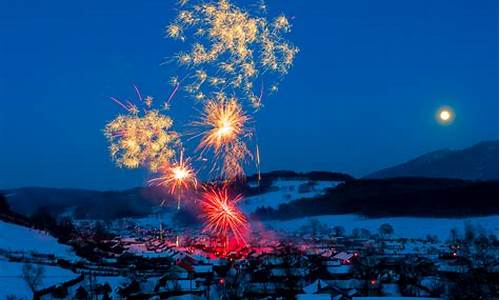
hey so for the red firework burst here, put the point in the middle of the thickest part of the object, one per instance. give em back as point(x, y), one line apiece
point(222, 216)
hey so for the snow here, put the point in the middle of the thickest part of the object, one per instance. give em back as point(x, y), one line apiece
point(394, 298)
point(19, 238)
point(185, 297)
point(285, 191)
point(390, 289)
point(282, 191)
point(313, 297)
point(202, 268)
point(314, 287)
point(153, 221)
point(408, 227)
point(12, 283)
point(342, 269)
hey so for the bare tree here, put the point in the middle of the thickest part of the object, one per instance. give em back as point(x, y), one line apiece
point(386, 230)
point(338, 230)
point(33, 275)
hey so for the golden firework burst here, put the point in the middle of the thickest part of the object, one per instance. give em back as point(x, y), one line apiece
point(224, 125)
point(234, 45)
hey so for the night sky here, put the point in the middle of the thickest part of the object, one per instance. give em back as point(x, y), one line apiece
point(362, 95)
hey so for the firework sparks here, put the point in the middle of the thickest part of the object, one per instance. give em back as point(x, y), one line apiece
point(235, 46)
point(224, 124)
point(228, 50)
point(141, 139)
point(176, 177)
point(222, 216)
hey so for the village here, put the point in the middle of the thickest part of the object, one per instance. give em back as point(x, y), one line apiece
point(314, 263)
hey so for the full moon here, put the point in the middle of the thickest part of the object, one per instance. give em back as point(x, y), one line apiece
point(444, 115)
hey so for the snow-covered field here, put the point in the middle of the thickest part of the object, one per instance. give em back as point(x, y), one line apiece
point(285, 191)
point(12, 282)
point(403, 226)
point(19, 238)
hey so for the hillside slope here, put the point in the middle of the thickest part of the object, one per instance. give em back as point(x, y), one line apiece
point(417, 197)
point(479, 162)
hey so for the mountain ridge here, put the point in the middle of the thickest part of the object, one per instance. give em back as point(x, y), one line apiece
point(478, 162)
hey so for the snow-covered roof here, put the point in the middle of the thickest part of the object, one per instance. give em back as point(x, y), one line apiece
point(202, 268)
point(343, 256)
point(315, 287)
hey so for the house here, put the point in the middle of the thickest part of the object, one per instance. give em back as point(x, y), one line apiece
point(344, 257)
point(315, 287)
point(323, 288)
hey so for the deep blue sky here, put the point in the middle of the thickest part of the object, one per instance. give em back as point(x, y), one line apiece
point(361, 96)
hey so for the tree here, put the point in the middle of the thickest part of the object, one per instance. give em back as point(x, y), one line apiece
point(431, 238)
point(454, 236)
point(60, 292)
point(33, 275)
point(469, 232)
point(365, 233)
point(65, 229)
point(43, 220)
point(4, 205)
point(386, 230)
point(81, 293)
point(100, 232)
point(338, 230)
point(315, 227)
point(360, 233)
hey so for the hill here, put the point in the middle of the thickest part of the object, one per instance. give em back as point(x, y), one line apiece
point(84, 203)
point(417, 197)
point(479, 162)
point(138, 202)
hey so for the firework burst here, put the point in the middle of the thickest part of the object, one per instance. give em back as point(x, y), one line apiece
point(224, 131)
point(145, 140)
point(231, 47)
point(222, 216)
point(176, 177)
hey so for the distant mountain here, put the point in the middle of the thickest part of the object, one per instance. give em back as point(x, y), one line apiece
point(84, 203)
point(137, 202)
point(479, 162)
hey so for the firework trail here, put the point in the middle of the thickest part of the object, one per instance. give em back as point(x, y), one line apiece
point(222, 216)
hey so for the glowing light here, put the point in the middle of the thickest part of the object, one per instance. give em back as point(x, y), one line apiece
point(224, 131)
point(141, 140)
point(176, 177)
point(222, 216)
point(445, 115)
point(235, 46)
